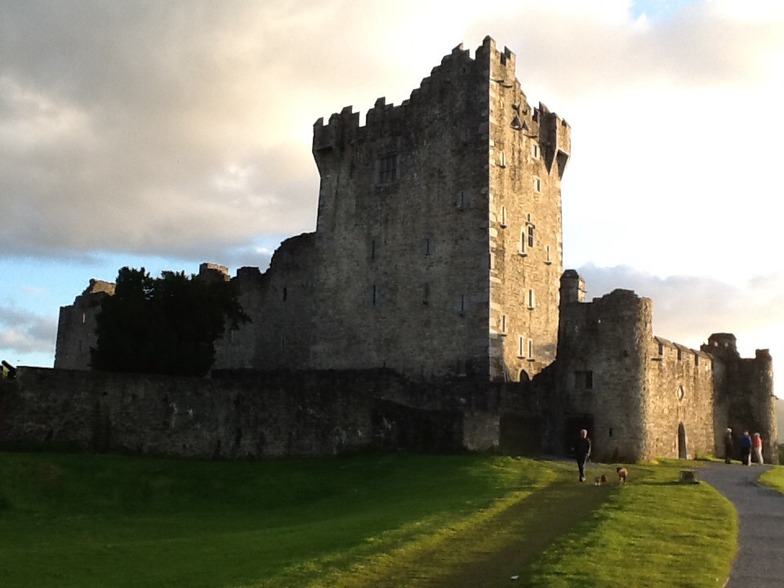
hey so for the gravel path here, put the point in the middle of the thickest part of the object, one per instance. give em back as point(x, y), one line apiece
point(760, 559)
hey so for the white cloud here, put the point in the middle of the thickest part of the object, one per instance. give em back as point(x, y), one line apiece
point(24, 332)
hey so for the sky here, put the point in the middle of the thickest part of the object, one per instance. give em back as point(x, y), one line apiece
point(165, 134)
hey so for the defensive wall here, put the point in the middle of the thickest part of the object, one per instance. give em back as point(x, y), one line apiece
point(252, 415)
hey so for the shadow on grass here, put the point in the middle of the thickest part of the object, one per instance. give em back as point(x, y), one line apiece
point(491, 553)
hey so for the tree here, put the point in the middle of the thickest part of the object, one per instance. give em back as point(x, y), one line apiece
point(165, 325)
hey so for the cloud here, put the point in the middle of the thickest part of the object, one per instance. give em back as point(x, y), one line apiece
point(166, 128)
point(688, 309)
point(24, 332)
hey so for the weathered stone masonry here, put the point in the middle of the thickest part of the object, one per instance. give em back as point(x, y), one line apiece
point(438, 256)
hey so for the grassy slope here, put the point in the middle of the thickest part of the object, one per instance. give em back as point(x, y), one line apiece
point(381, 520)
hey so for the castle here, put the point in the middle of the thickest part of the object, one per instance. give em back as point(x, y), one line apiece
point(438, 258)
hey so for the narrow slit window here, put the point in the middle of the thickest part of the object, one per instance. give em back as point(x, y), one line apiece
point(503, 324)
point(531, 299)
point(503, 217)
point(537, 184)
point(530, 348)
point(521, 346)
point(387, 169)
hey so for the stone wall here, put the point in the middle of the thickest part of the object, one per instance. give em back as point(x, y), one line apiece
point(280, 304)
point(529, 148)
point(240, 417)
point(679, 419)
point(745, 397)
point(76, 327)
point(402, 230)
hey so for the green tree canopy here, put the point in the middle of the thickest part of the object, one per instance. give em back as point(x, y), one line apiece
point(165, 325)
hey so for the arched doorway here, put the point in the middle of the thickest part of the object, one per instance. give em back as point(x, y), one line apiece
point(683, 452)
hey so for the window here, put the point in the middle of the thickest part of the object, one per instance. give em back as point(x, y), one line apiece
point(428, 246)
point(460, 201)
point(285, 293)
point(535, 150)
point(531, 299)
point(530, 233)
point(374, 295)
point(680, 392)
point(373, 250)
point(523, 242)
point(462, 303)
point(530, 349)
point(503, 217)
point(583, 380)
point(548, 257)
point(426, 294)
point(521, 346)
point(386, 169)
point(537, 184)
point(501, 159)
point(503, 324)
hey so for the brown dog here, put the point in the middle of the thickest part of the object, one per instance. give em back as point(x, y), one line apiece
point(600, 480)
point(622, 474)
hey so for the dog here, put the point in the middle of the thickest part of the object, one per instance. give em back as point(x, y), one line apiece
point(600, 480)
point(623, 473)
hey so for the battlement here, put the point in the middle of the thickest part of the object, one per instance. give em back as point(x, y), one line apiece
point(456, 72)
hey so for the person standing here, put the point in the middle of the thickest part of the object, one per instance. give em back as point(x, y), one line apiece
point(745, 448)
point(728, 445)
point(756, 443)
point(582, 451)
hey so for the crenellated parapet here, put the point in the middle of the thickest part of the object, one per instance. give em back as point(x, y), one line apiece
point(452, 82)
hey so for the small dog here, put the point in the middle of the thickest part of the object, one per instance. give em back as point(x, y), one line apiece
point(600, 480)
point(623, 473)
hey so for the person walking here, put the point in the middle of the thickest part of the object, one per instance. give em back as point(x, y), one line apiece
point(756, 444)
point(745, 448)
point(728, 445)
point(582, 451)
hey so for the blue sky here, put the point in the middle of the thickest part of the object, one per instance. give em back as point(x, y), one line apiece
point(167, 134)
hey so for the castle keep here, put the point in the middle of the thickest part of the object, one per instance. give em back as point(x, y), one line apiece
point(436, 265)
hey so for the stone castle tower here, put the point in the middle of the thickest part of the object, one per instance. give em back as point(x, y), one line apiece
point(439, 240)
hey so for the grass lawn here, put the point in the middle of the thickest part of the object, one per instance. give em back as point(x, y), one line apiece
point(366, 520)
point(773, 478)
